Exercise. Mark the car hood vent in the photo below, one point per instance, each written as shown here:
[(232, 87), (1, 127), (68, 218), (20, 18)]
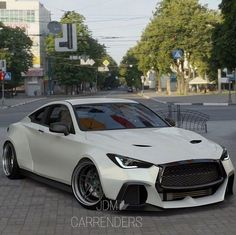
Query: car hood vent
[(195, 141), (142, 145)]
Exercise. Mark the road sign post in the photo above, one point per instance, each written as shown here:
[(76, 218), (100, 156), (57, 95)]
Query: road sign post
[(235, 83), (69, 40), (106, 63), (2, 80), (3, 95), (3, 67), (230, 96), (7, 76), (177, 54)]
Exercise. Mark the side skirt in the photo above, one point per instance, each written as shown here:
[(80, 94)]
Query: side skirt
[(44, 180)]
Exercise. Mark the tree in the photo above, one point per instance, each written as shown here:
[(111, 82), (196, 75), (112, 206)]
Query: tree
[(129, 69), (178, 24), (71, 73), (225, 36), (15, 48)]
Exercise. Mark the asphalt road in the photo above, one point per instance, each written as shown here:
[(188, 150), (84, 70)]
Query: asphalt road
[(29, 207)]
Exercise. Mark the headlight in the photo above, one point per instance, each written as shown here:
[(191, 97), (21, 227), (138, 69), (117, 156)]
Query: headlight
[(128, 163), (225, 155)]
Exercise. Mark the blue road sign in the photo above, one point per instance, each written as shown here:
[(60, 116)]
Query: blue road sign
[(7, 76), (177, 54)]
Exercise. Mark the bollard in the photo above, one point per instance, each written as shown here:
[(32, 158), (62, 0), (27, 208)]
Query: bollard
[(170, 111), (178, 116)]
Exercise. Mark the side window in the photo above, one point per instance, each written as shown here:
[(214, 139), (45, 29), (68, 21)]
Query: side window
[(37, 117), (60, 113), (54, 115)]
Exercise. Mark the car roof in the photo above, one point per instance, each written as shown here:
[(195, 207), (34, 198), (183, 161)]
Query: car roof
[(98, 101), (86, 101)]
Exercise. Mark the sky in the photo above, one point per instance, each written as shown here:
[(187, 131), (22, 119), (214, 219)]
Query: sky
[(118, 24)]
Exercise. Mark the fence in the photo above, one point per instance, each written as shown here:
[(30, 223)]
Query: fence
[(184, 118)]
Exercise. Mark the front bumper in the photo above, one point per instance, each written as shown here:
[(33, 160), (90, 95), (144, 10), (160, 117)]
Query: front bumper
[(138, 187)]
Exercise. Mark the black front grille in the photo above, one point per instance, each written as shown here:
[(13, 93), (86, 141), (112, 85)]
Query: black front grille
[(181, 195), (192, 175)]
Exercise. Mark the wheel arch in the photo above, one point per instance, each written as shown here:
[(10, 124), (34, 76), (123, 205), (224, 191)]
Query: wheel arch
[(92, 159), (17, 136)]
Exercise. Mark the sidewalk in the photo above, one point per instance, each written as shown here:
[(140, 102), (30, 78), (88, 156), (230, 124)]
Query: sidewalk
[(14, 102), (192, 99)]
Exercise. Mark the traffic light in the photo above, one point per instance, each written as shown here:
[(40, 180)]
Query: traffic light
[(1, 76)]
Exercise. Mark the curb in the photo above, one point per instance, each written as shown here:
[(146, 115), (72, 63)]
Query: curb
[(22, 103), (185, 104)]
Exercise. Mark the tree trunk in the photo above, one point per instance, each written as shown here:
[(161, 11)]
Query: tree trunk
[(178, 85), (159, 83), (77, 88), (168, 89), (182, 85)]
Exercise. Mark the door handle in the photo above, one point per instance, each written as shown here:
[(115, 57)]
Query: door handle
[(41, 131)]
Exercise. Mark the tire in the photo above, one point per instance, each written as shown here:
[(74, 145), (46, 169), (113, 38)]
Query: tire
[(86, 185), (9, 162)]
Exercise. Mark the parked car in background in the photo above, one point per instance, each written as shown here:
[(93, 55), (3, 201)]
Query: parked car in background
[(130, 89)]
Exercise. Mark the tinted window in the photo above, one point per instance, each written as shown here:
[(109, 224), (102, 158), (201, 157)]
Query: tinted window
[(55, 115), (113, 116), (38, 116)]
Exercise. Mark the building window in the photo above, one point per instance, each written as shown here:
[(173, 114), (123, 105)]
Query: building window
[(32, 80), (17, 16), (3, 5)]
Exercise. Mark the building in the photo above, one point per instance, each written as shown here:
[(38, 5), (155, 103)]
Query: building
[(34, 18)]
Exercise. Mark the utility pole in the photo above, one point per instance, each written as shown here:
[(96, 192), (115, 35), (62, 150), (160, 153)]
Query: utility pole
[(2, 79), (235, 83), (49, 75), (230, 96), (219, 81), (3, 69)]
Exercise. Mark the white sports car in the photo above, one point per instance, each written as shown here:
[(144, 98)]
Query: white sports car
[(118, 150)]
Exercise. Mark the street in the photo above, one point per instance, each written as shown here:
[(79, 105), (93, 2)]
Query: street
[(30, 207)]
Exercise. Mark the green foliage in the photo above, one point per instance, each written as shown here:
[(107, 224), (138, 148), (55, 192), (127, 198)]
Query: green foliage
[(224, 52), (129, 69), (70, 72), (15, 47), (178, 24)]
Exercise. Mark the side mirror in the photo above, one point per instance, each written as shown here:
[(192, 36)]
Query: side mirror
[(59, 127), (171, 122)]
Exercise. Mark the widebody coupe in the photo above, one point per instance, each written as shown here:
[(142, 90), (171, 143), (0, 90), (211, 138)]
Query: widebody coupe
[(117, 150)]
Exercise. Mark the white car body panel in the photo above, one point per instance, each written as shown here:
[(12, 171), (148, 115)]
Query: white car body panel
[(55, 156), (165, 144)]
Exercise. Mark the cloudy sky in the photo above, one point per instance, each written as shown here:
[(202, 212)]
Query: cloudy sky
[(122, 19)]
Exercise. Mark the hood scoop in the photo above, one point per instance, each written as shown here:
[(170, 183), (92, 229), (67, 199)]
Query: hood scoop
[(195, 141), (142, 145)]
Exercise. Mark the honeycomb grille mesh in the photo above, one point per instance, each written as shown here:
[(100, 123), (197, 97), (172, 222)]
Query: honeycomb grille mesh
[(189, 175)]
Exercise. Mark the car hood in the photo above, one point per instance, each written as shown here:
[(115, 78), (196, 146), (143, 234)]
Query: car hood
[(156, 145)]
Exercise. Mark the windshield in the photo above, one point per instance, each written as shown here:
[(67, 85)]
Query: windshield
[(114, 116)]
